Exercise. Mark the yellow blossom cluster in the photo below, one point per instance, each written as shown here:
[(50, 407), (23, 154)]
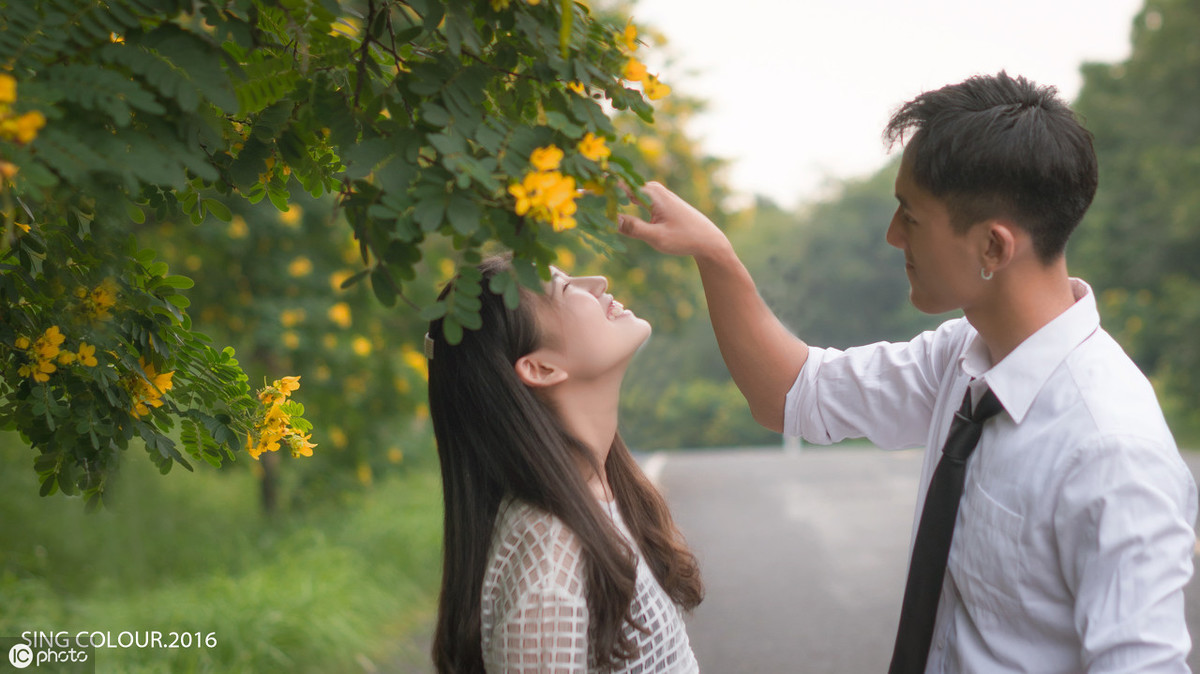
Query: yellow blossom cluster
[(546, 194), (275, 425), (593, 147), (98, 302), (147, 391), (46, 354), (499, 5), (635, 70), (20, 128)]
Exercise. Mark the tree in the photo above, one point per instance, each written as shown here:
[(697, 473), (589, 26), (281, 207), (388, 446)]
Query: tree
[(1140, 241), (434, 125)]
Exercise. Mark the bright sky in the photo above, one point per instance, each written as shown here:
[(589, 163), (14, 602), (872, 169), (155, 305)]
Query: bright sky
[(799, 90)]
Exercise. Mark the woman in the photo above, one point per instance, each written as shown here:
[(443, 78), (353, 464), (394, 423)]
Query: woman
[(559, 555)]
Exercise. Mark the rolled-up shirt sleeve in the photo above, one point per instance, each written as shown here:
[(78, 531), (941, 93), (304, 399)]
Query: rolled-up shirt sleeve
[(884, 392), (1124, 527)]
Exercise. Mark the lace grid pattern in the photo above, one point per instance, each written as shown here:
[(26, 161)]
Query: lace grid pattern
[(535, 615)]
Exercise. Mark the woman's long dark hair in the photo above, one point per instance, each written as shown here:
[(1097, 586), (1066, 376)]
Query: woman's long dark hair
[(495, 438)]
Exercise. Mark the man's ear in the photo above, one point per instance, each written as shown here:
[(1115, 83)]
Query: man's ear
[(538, 371), (1003, 239)]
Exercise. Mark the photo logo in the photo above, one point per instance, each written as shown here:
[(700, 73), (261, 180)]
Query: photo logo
[(20, 656)]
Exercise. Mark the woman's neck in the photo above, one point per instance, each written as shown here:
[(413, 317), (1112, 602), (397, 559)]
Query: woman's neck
[(589, 412)]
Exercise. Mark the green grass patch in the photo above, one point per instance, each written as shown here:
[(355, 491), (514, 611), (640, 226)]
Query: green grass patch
[(339, 587)]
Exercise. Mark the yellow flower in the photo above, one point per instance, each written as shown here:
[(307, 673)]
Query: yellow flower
[(577, 87), (629, 36), (500, 4), (238, 229), (522, 196), (361, 346), (25, 371), (548, 196), (87, 355), (635, 70), (8, 89), (253, 449), (655, 89), (22, 343), (300, 266), (651, 148), (292, 317), (66, 358), (291, 340), (564, 258), (291, 217), (365, 476), (395, 454), (288, 384), (415, 360), (100, 300), (546, 158), (28, 126), (47, 346), (535, 2), (338, 436), (340, 314), (300, 445), (8, 171), (338, 277), (593, 147)]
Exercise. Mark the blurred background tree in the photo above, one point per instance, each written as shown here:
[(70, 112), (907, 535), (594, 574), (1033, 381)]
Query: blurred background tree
[(1140, 243)]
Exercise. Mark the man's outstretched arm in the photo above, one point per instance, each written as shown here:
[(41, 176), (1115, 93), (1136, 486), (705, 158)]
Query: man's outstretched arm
[(763, 357)]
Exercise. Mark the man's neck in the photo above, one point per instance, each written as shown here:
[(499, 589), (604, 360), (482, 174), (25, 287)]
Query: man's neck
[(1021, 302)]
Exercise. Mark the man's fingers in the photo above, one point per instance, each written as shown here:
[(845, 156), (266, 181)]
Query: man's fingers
[(632, 195), (631, 225)]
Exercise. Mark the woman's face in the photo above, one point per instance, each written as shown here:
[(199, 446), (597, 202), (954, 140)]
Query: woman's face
[(588, 331)]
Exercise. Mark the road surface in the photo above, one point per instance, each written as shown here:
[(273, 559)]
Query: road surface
[(803, 555)]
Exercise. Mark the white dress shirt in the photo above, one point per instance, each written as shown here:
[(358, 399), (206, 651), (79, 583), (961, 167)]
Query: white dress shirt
[(1074, 535)]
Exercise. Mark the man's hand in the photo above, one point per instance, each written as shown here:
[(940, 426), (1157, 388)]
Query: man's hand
[(675, 227)]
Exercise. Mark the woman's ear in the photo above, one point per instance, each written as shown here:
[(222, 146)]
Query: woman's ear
[(538, 371)]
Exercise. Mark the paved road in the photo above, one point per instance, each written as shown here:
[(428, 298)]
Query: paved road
[(803, 554)]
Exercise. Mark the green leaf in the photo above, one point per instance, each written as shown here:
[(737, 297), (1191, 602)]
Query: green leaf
[(135, 212), (430, 212), (176, 281), (354, 279), (463, 214), (433, 311), (452, 330), (218, 210), (381, 283)]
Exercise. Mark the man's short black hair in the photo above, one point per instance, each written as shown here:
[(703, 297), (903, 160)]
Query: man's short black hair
[(998, 146)]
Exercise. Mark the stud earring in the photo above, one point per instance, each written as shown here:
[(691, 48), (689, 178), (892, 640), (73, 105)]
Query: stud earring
[(985, 274)]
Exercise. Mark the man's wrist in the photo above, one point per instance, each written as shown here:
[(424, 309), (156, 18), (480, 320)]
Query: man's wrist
[(718, 253)]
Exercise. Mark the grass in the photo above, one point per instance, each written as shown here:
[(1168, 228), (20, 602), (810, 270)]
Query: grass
[(338, 588)]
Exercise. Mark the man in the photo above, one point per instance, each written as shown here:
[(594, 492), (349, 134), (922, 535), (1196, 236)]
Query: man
[(1069, 532)]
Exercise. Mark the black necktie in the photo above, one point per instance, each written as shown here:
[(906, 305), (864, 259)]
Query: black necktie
[(932, 547)]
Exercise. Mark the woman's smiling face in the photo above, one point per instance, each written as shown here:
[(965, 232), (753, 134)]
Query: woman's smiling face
[(591, 332)]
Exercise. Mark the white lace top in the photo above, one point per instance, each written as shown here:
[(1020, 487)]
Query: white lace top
[(535, 614)]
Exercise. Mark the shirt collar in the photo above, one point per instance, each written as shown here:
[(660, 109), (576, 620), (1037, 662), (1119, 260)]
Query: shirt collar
[(1019, 377)]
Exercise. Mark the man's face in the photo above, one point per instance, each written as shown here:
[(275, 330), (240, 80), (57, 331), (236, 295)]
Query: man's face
[(941, 263)]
